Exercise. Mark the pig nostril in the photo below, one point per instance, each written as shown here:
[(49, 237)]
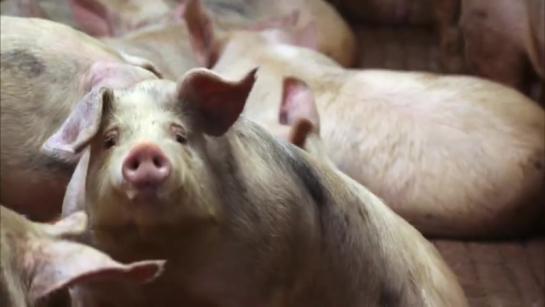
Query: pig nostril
[(134, 165), (158, 162)]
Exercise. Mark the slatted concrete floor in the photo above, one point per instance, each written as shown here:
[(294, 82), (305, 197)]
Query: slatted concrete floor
[(499, 274)]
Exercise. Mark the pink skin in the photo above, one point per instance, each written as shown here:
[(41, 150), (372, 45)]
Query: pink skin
[(297, 103), (146, 168)]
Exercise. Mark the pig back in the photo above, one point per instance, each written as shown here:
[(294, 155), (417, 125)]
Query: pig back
[(334, 36), (166, 45), (42, 77), (439, 157)]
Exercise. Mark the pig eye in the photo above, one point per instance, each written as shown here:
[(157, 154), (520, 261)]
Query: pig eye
[(179, 134), (110, 139), (180, 139)]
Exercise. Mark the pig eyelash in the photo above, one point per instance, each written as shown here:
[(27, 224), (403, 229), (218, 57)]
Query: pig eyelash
[(110, 139)]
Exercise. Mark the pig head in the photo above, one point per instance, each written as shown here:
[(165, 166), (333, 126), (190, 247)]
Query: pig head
[(39, 260), (150, 149), (152, 169)]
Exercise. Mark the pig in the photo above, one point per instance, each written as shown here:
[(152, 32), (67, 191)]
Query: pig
[(42, 78), (165, 45), (242, 218), (22, 8), (433, 147), (56, 10), (114, 18), (118, 17), (151, 30), (162, 42), (38, 261), (505, 40)]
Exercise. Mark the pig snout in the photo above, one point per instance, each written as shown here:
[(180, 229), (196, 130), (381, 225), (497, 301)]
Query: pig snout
[(146, 167)]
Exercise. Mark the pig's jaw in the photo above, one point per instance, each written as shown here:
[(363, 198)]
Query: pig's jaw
[(183, 199), (151, 202), (144, 196), (171, 204)]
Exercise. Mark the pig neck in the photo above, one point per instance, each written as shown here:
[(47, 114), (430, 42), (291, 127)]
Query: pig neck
[(279, 60), (314, 145)]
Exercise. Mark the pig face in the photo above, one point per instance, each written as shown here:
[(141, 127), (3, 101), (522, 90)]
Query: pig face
[(148, 154), (144, 162)]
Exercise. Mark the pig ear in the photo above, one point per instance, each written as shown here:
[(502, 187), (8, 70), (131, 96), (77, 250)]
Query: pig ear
[(80, 126), (92, 17), (216, 102), (300, 131), (297, 104), (115, 74), (58, 264), (201, 33), (141, 62), (74, 197), (70, 226)]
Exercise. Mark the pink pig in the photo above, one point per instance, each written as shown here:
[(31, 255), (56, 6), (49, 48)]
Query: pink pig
[(433, 147), (42, 78)]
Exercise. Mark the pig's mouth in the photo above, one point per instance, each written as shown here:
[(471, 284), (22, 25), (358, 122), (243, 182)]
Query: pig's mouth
[(145, 195)]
